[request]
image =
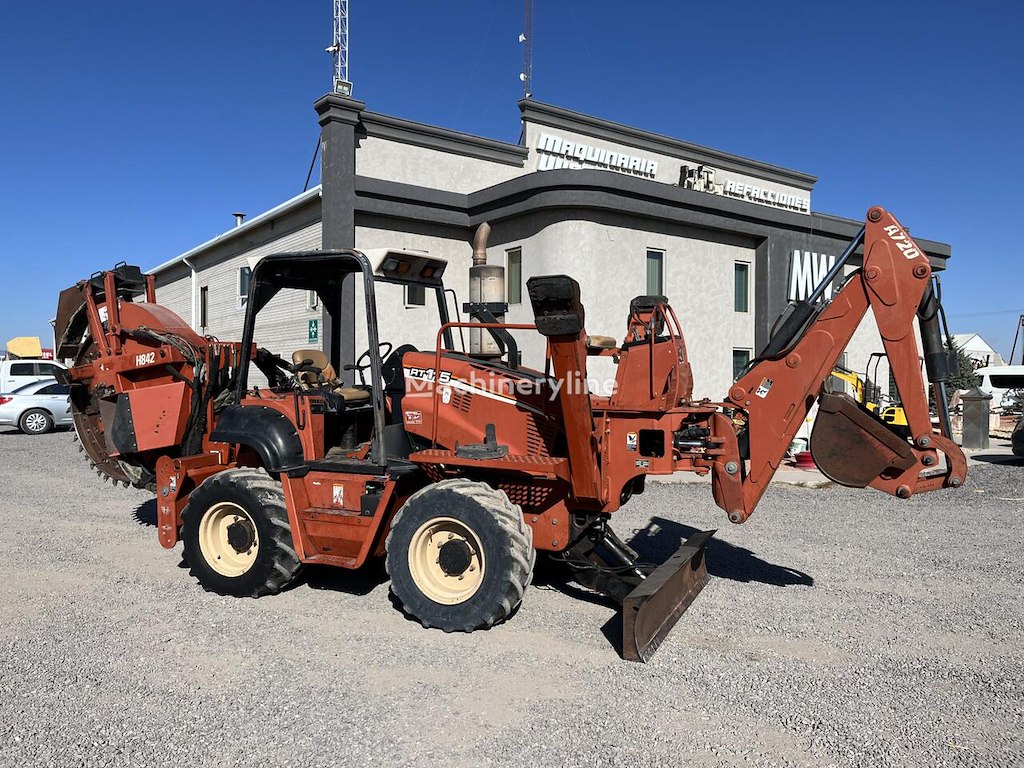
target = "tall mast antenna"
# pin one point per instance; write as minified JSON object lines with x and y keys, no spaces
{"x":339,"y":49}
{"x":526,"y":38}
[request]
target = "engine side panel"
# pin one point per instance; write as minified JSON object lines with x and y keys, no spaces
{"x":470,"y":394}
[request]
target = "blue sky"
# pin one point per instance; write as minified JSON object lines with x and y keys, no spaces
{"x":131,"y":131}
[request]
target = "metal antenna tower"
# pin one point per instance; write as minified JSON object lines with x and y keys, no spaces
{"x":339,"y":49}
{"x":526,"y":38}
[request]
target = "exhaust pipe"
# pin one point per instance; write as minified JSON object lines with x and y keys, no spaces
{"x":483,"y":232}
{"x":486,"y":286}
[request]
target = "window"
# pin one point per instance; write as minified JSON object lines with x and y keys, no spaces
{"x":1007,"y":381}
{"x":54,"y":389}
{"x":514,"y":275}
{"x":655,"y":272}
{"x":741,"y":300}
{"x":22,"y":369}
{"x":740,"y":360}
{"x":415,"y":296}
{"x":46,"y":369}
{"x":243,"y":285}
{"x":204,"y":306}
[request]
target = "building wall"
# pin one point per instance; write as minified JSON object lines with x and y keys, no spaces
{"x":282,"y":326}
{"x":583,"y":232}
{"x":379,"y":158}
{"x":607,"y":254}
{"x":174,"y":290}
{"x":398,"y":322}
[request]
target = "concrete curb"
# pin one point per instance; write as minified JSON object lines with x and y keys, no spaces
{"x":800,"y":478}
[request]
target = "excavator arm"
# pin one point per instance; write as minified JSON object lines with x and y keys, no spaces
{"x":850,"y":445}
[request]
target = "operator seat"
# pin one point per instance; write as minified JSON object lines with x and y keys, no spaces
{"x":326,"y":376}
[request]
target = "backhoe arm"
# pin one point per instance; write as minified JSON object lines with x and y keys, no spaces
{"x":850,"y":445}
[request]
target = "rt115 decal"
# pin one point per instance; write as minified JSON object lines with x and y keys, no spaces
{"x":428,"y":374}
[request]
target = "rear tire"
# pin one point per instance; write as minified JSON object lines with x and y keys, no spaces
{"x":237,"y":539}
{"x":460,"y":556}
{"x":35,"y":422}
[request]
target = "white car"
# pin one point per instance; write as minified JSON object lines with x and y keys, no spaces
{"x":17,"y":373}
{"x":37,"y":408}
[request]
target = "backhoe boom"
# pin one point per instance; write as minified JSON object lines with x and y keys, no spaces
{"x":849,"y":445}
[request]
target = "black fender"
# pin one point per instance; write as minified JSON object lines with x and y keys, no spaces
{"x":267,"y":431}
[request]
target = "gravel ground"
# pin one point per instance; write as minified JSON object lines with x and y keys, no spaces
{"x":842,"y":628}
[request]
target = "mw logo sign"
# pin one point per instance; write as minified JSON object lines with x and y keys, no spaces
{"x":806,"y":270}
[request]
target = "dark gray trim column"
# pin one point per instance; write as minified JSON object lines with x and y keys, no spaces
{"x":338,"y":117}
{"x":763,"y":304}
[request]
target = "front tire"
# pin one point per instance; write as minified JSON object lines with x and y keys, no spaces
{"x":237,"y":539}
{"x":460,"y":556}
{"x":36,"y":422}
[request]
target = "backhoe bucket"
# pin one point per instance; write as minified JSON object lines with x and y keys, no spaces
{"x":651,"y":610}
{"x":852,"y":446}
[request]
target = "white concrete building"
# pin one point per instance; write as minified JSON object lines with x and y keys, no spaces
{"x":626,"y":212}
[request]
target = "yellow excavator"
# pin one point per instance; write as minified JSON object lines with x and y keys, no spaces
{"x":867,"y":392}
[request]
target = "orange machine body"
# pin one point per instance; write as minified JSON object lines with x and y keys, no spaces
{"x":565,"y":455}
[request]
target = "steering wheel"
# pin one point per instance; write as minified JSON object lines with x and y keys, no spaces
{"x":279,"y":372}
{"x":383,"y":350}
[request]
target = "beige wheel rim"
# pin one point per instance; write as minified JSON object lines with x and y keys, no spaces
{"x":228,"y":539}
{"x":446,"y":560}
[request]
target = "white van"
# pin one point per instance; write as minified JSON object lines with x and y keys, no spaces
{"x":998,"y":380}
{"x":18,"y":373}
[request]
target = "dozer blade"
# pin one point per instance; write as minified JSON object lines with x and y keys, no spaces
{"x":651,"y":610}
